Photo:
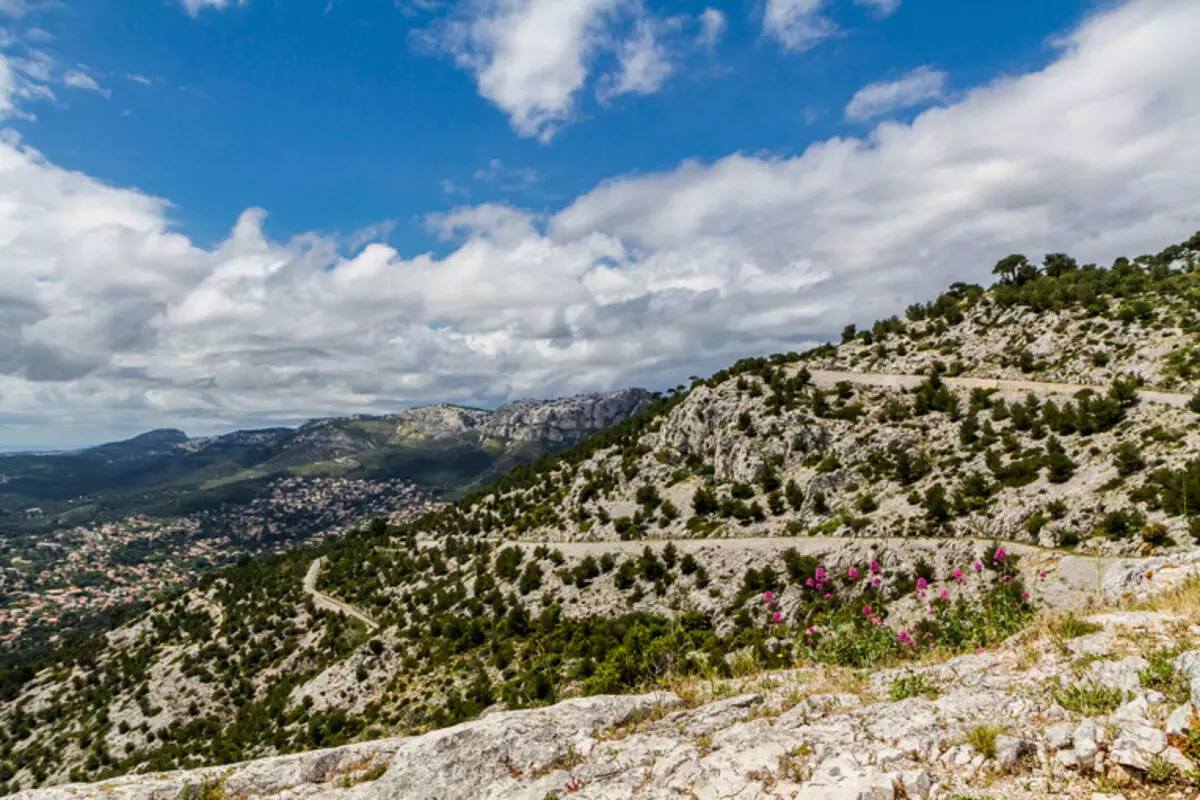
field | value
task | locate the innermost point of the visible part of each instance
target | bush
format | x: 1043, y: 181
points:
x: 507, y: 563
x: 912, y: 685
x: 1120, y: 524
x: 1127, y: 458
x: 983, y: 739
x: 531, y: 578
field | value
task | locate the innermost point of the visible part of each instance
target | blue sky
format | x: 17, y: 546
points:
x: 224, y: 213
x: 335, y: 116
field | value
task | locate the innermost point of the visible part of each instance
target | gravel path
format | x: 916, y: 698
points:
x: 322, y: 600
x: 826, y: 380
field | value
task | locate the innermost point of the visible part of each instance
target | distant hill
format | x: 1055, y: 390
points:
x: 443, y: 448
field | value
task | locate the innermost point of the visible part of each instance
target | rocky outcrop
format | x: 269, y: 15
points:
x: 990, y: 720
x: 560, y: 421
x: 568, y: 419
x: 439, y: 421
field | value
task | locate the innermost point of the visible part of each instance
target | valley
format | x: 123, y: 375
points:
x: 158, y: 510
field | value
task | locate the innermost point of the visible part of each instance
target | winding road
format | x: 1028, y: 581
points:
x: 826, y: 380
x: 322, y: 600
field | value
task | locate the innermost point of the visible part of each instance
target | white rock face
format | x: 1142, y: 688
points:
x: 780, y: 737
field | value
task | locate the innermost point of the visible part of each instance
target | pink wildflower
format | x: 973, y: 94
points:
x: 1024, y: 595
x: 768, y: 598
x: 852, y: 574
x: 809, y: 583
x: 957, y: 573
x: 978, y: 567
x: 945, y: 595
x: 1000, y: 555
x: 903, y: 637
x: 777, y: 617
x: 875, y: 581
x: 873, y: 567
x: 978, y: 650
x: 866, y: 611
x: 828, y: 596
x: 1007, y: 578
x: 922, y: 584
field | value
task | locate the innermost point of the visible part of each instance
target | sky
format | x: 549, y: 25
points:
x: 236, y: 213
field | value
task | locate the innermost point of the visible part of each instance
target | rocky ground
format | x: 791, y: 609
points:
x: 1102, y: 705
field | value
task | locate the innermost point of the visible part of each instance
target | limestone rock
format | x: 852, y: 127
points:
x: 1121, y: 674
x: 1180, y: 720
x: 841, y: 778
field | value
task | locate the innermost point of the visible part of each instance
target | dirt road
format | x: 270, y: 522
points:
x: 826, y: 380
x: 322, y: 600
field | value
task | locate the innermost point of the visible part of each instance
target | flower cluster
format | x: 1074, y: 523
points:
x: 772, y: 608
x: 850, y: 633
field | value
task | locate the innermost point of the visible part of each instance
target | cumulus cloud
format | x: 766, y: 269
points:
x: 76, y: 79
x: 110, y: 316
x: 645, y: 63
x: 913, y: 89
x: 533, y: 58
x: 528, y: 57
x: 800, y: 24
x: 194, y: 7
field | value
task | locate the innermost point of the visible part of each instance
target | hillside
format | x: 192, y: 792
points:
x: 1019, y: 448
x: 95, y: 533
x: 994, y: 724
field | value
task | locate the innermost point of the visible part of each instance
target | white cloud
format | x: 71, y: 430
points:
x: 194, y: 7
x: 533, y: 58
x: 75, y: 79
x: 800, y: 24
x: 881, y: 7
x: 108, y: 318
x: 506, y: 178
x: 14, y: 8
x: 913, y: 89
x: 797, y: 24
x: 645, y: 63
x: 529, y: 57
x: 712, y: 27
x: 142, y: 79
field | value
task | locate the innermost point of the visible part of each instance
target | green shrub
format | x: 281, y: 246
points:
x: 1089, y: 698
x: 912, y: 685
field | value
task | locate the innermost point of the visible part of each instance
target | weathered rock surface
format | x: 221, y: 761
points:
x: 786, y: 734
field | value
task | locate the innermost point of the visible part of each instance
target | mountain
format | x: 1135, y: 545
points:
x: 926, y: 489
x: 88, y: 534
x: 442, y: 448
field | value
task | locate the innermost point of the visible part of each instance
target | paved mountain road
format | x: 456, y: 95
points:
x: 826, y: 380
x: 322, y: 600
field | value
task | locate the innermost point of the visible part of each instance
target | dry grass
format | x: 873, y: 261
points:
x: 1183, y: 599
